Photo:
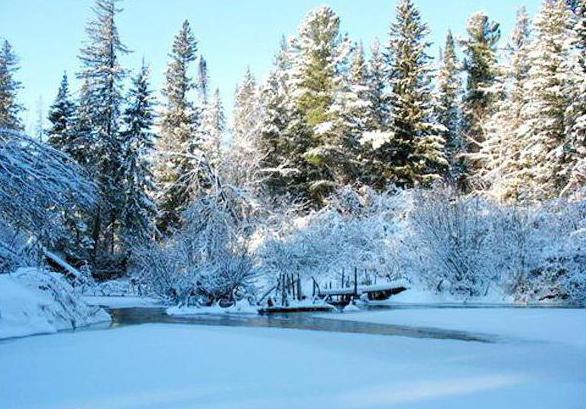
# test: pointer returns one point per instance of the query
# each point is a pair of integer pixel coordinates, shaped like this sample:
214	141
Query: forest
462	174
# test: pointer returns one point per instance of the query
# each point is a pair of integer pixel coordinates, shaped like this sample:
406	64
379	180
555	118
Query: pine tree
244	160
377	86
61	134
575	146
318	69
499	153
103	76
214	127
413	152
545	100
139	209
203	80
480	64
448	109
9	87
178	143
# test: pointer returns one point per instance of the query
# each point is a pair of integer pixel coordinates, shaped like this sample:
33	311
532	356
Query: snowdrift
33	301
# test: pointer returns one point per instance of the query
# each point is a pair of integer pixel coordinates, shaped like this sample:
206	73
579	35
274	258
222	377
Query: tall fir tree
244	160
103	78
449	109
545	155
576	113
377	87
480	65
139	210
500	151
61	133
203	80
178	143
214	128
10	109
412	150
318	70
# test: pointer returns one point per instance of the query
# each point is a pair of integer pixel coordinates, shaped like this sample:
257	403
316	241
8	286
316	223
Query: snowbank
241	307
121	301
33	301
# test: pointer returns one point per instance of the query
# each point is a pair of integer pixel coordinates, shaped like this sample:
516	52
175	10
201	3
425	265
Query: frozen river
409	358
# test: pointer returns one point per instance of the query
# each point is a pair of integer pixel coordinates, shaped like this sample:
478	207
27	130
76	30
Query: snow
242	307
33	301
121	301
559	325
189	367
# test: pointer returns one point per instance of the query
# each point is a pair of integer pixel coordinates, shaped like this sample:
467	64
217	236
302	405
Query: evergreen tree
9	87
448	109
178	144
413	152
377	86
244	161
318	73
214	127
61	134
575	146
480	64
545	100
103	76
203	80
499	154
139	209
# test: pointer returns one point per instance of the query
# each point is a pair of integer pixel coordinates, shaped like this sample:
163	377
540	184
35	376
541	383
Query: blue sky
47	34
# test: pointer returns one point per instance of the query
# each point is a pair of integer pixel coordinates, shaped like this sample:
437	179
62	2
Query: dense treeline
196	206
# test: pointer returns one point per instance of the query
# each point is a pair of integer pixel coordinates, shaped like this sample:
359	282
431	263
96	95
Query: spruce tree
500	151
545	101
377	87
103	77
244	160
61	134
414	150
480	65
448	109
139	209
203	80
9	107
178	143
214	127
575	146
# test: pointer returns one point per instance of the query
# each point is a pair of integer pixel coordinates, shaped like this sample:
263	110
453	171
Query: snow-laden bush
205	262
357	229
470	245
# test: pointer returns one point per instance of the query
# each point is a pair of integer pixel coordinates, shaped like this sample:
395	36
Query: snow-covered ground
182	366
120	301
34	301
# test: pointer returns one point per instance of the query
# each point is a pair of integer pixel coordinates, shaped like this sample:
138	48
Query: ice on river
183	366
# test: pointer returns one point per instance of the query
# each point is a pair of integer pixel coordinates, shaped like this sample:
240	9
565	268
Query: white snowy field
183	366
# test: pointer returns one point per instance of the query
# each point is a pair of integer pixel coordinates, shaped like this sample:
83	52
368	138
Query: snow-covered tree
38	186
242	167
412	151
480	65
448	108
9	87
499	153
214	128
103	76
139	210
377	86
203	80
61	134
576	113
545	156
178	136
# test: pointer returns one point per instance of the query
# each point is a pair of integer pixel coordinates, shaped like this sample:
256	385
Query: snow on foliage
36	302
37	185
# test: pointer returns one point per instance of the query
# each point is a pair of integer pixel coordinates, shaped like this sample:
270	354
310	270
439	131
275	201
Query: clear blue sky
47	34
